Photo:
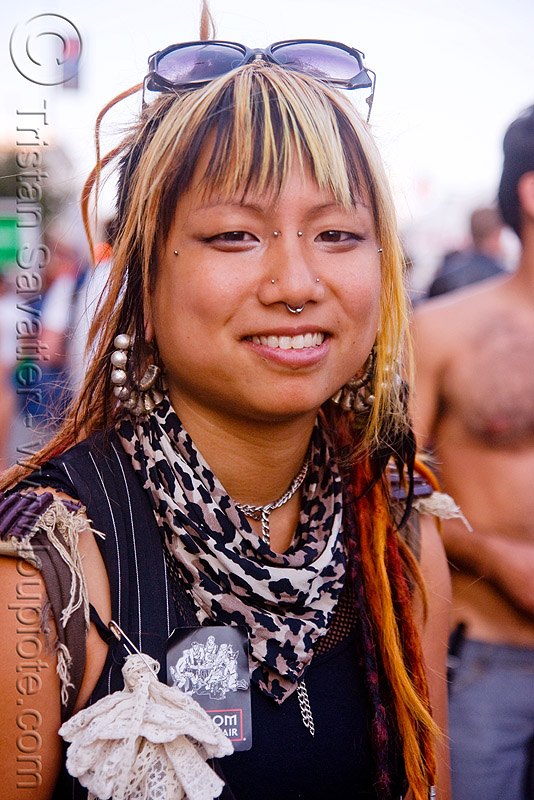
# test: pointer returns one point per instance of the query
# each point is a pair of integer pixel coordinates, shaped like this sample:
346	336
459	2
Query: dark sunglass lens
322	60
198	62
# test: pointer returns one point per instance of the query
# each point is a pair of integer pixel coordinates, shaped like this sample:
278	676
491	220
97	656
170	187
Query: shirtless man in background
474	407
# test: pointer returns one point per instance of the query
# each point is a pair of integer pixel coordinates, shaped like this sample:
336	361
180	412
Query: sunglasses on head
192	64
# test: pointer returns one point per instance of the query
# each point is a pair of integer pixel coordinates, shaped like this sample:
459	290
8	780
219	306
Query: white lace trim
146	742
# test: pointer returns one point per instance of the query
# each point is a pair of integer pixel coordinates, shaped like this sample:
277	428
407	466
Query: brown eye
331	236
232	236
335	236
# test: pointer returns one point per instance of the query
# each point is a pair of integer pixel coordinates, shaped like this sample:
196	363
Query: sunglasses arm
369	99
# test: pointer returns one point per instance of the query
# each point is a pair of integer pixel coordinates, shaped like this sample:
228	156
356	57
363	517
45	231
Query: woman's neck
254	461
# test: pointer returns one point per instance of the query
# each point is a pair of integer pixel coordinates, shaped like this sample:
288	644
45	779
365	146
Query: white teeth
299	342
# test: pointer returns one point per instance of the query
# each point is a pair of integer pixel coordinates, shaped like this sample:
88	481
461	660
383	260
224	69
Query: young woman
232	442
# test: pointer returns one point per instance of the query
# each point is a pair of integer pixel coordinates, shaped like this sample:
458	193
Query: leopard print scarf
285	601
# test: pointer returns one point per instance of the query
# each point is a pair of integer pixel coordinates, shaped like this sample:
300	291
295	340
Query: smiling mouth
299	342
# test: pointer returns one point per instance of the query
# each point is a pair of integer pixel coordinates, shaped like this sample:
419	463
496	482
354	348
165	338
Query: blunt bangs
265	122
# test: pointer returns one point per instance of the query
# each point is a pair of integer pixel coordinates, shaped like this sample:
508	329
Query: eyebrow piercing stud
379	250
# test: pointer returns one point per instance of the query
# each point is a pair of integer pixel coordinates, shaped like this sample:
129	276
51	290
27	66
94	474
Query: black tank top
285	761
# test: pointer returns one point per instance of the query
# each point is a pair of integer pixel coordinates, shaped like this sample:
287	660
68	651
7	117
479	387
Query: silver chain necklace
263	513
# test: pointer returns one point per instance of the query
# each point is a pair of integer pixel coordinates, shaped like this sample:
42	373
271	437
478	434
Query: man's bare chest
489	383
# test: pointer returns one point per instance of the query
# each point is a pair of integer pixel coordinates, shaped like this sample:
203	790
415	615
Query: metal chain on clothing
305	708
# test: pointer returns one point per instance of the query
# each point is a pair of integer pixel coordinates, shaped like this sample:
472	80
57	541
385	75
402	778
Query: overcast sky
451	75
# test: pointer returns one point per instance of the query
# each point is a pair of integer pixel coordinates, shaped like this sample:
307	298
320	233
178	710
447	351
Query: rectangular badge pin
210	663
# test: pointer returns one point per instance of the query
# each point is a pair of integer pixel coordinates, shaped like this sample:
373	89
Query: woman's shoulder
82	472
46	530
49	574
39	539
49	501
96	449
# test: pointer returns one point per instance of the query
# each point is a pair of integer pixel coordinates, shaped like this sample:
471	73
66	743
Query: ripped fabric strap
43	530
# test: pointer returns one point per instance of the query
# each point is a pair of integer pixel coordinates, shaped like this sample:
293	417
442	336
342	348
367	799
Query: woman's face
230	347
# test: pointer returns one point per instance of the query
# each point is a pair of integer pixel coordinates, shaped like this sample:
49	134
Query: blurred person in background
482	260
85	306
61	279
8	355
474	406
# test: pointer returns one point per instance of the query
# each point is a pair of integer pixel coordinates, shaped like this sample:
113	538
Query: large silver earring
139	398
357	395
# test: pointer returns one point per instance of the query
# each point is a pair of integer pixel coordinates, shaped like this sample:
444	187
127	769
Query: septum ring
297	310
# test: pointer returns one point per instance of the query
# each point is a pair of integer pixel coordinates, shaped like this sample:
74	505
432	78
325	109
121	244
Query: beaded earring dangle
140	398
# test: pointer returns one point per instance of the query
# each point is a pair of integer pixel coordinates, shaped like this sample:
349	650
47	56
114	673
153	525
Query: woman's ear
525	192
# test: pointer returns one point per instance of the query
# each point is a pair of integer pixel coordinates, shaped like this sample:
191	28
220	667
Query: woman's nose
290	275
